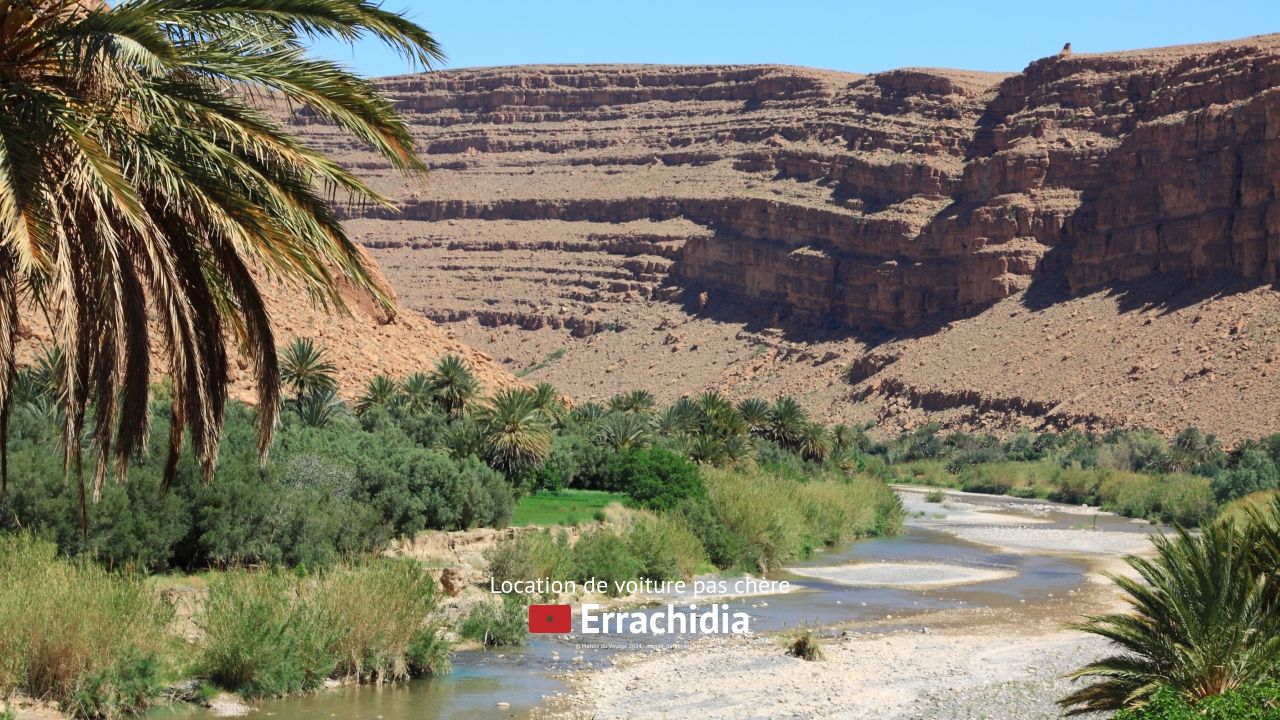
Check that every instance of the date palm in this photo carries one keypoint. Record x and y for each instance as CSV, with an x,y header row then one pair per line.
x,y
755,413
787,422
517,436
305,367
381,391
417,393
636,401
814,443
146,171
623,431
1204,621
453,384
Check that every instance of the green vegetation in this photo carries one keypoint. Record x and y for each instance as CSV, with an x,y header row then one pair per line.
x,y
935,496
800,643
1136,473
269,633
497,624
1260,702
94,641
1204,628
563,507
143,180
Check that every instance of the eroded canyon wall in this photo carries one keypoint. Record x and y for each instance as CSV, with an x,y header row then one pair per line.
x,y
859,202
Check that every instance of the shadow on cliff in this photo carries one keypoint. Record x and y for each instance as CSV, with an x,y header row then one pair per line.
x,y
1162,292
795,326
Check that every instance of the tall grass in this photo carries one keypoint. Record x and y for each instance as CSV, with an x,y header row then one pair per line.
x,y
1172,498
666,547
383,609
75,633
269,634
263,635
776,520
497,624
531,556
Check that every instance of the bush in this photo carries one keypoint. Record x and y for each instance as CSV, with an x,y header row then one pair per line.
x,y
263,636
802,644
665,546
497,624
530,556
655,478
383,608
1253,472
74,633
935,496
769,520
605,556
270,634
1252,702
328,492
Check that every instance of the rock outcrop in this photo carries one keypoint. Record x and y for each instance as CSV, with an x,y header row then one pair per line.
x,y
886,205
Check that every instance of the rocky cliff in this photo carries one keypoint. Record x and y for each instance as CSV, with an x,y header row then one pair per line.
x,y
830,206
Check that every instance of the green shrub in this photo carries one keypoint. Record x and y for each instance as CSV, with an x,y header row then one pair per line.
x,y
655,478
665,546
1253,702
383,608
72,632
1252,472
497,624
263,636
755,509
531,555
935,496
771,520
605,556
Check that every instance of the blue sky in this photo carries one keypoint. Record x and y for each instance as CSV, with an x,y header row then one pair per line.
x,y
855,35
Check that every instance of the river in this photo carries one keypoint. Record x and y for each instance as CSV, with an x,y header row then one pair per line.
x,y
508,683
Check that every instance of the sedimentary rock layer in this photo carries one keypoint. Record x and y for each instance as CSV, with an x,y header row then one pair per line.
x,y
625,207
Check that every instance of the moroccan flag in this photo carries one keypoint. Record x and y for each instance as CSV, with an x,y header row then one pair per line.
x,y
550,619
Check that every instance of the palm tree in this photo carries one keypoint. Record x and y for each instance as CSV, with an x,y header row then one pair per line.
x,y
517,436
317,409
787,422
622,431
305,367
813,443
1204,622
587,412
549,402
417,393
636,401
145,169
755,413
453,384
463,437
380,392
705,449
671,421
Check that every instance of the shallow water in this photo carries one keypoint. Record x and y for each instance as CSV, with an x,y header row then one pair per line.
x,y
524,677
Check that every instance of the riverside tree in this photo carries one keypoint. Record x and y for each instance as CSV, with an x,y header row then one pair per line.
x,y
143,176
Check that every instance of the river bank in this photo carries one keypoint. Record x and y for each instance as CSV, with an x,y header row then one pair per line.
x,y
997,663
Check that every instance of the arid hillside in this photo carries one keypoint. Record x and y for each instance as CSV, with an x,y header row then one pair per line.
x,y
1089,242
362,343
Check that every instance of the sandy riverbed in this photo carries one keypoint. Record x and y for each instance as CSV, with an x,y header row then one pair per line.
x,y
976,663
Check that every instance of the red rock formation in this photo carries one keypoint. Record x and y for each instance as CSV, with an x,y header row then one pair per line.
x,y
567,202
907,196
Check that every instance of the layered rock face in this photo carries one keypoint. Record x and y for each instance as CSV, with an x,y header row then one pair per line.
x,y
865,202
760,229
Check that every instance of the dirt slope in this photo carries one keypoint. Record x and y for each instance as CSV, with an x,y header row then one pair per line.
x,y
361,344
